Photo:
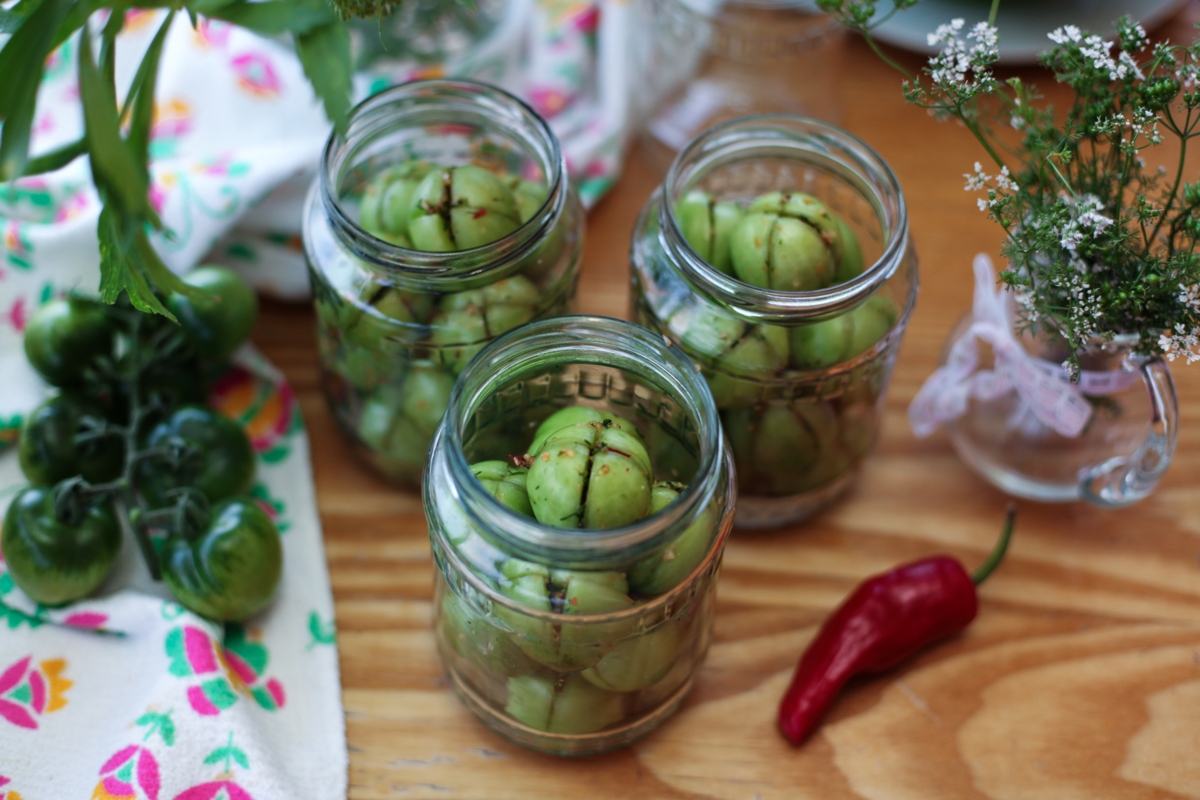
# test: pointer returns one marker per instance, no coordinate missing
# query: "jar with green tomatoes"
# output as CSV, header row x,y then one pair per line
x,y
776,253
441,219
579,494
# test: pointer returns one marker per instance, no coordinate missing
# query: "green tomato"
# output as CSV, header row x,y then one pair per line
x,y
840,339
218,459
665,570
578,415
460,209
467,321
387,201
708,227
55,561
638,662
529,197
737,374
65,336
216,325
590,476
49,450
573,707
506,483
230,570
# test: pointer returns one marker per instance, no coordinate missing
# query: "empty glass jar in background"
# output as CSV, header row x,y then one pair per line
x,y
395,325
709,61
799,376
576,640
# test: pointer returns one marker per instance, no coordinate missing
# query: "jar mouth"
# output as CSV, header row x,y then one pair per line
x,y
542,345
452,106
805,140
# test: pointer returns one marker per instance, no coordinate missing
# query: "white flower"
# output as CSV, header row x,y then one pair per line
x,y
957,68
1067,33
1181,343
1189,297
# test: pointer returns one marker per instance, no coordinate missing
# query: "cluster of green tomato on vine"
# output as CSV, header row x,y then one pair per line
x,y
127,443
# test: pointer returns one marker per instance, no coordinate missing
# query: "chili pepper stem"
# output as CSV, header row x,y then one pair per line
x,y
988,567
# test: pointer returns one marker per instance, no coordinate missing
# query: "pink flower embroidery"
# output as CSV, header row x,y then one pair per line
x,y
256,75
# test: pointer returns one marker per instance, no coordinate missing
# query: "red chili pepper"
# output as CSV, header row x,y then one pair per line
x,y
886,619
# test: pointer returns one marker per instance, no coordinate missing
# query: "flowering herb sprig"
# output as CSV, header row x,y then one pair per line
x,y
1098,245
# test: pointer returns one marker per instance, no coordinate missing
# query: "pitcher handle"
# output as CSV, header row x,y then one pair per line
x,y
1124,480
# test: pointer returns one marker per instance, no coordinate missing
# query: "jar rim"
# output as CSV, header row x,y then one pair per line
x,y
744,139
579,339
490,105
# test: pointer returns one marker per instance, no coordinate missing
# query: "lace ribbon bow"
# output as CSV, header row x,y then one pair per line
x,y
1045,388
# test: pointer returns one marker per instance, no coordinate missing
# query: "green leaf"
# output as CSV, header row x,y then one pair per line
x,y
142,93
55,159
11,19
160,273
208,7
114,166
21,63
275,17
118,270
240,758
325,55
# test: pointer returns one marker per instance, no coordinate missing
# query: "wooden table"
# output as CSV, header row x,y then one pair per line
x,y
1079,679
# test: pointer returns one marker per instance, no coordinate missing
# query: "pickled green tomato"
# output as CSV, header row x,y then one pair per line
x,y
459,209
529,197
386,201
563,646
466,321
668,568
638,662
573,706
840,339
792,242
591,476
506,483
757,354
708,227
578,415
783,448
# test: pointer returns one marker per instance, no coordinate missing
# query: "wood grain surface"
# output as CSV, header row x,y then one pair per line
x,y
1079,679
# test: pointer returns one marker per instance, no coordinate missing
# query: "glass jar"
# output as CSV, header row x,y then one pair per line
x,y
394,325
576,640
1124,448
709,61
800,422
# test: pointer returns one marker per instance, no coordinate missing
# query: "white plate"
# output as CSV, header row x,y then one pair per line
x,y
1023,24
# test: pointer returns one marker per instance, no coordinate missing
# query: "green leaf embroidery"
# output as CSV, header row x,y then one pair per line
x,y
160,724
228,753
322,632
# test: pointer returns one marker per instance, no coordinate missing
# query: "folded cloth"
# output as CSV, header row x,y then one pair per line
x,y
235,141
129,695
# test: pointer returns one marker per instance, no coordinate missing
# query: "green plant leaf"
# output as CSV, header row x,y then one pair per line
x,y
118,270
275,17
11,18
141,94
114,166
160,273
325,55
21,63
55,159
208,7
